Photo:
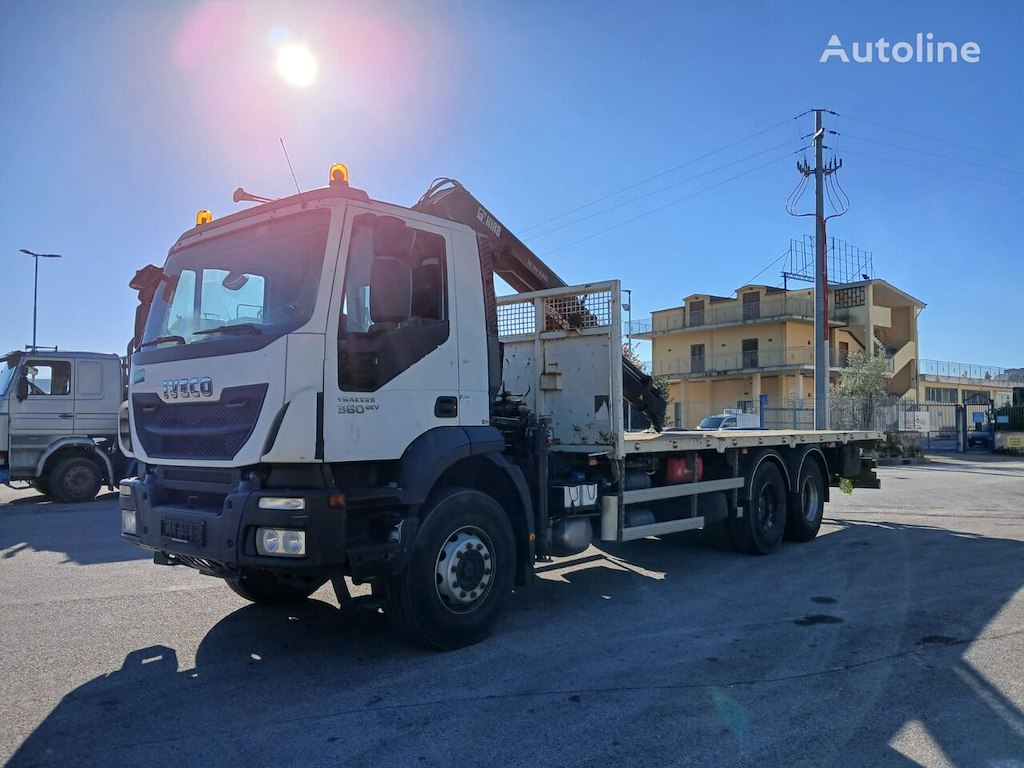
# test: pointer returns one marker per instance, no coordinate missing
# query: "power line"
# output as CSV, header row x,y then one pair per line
x,y
1016,188
935,138
662,173
669,205
933,154
659,191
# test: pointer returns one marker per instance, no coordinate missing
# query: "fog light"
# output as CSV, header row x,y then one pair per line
x,y
293,543
280,542
276,502
128,521
271,540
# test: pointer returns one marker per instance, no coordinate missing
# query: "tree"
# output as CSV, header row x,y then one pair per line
x,y
862,384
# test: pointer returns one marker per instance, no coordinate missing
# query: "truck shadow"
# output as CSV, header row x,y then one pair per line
x,y
883,636
86,534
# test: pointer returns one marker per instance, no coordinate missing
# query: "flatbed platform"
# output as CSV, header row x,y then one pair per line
x,y
684,440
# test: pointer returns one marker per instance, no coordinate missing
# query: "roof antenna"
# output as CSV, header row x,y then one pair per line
x,y
288,160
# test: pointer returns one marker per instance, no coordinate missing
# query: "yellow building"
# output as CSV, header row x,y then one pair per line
x,y
941,381
723,352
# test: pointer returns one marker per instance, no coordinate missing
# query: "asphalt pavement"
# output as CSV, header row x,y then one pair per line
x,y
895,638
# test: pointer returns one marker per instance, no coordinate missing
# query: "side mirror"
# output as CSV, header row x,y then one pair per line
x,y
22,388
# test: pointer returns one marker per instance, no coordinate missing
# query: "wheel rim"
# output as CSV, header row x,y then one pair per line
x,y
464,571
768,508
810,500
78,481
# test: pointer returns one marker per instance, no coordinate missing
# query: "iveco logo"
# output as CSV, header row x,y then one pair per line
x,y
194,387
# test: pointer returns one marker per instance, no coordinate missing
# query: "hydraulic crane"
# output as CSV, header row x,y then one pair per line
x,y
508,257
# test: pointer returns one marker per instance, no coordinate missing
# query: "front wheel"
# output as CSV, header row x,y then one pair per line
x,y
460,572
264,588
75,480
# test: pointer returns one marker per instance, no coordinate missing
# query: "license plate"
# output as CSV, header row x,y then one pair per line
x,y
178,530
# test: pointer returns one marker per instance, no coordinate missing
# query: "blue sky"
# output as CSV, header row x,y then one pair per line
x,y
121,119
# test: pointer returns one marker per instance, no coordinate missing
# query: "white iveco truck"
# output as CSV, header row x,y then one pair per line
x,y
327,386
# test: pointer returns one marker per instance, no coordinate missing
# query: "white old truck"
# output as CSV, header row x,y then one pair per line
x,y
328,387
58,422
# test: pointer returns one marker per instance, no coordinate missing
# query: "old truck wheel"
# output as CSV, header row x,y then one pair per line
x,y
760,530
75,480
807,505
460,572
264,588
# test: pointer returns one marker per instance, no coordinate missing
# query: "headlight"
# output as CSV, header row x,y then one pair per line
x,y
280,542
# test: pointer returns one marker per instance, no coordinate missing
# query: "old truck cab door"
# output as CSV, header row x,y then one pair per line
x,y
42,408
394,372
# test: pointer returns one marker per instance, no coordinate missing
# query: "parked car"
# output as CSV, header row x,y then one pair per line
x,y
982,437
730,419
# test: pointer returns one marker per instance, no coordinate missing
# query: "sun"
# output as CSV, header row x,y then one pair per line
x,y
296,65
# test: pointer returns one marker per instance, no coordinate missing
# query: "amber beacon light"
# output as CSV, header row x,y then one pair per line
x,y
339,175
203,217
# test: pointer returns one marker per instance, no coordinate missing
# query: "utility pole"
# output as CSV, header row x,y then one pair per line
x,y
821,352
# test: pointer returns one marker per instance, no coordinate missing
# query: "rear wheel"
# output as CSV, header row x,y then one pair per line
x,y
264,588
460,572
807,505
75,480
760,530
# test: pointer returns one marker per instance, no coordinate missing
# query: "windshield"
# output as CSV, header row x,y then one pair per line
x,y
8,366
711,422
259,280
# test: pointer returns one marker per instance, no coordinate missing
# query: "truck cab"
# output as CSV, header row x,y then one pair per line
x,y
58,421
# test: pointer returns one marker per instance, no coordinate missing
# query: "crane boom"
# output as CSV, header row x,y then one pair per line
x,y
523,270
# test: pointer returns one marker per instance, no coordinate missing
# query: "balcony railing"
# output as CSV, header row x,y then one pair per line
x,y
790,357
967,371
788,307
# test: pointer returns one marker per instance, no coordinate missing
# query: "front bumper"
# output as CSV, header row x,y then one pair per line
x,y
220,539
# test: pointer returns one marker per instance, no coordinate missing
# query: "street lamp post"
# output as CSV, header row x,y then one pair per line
x,y
35,289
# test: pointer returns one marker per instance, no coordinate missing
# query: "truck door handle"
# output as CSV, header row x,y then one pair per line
x,y
446,407
65,415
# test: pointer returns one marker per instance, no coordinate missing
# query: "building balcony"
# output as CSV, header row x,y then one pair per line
x,y
735,313
761,361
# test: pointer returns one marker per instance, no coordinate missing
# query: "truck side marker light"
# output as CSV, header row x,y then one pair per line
x,y
336,500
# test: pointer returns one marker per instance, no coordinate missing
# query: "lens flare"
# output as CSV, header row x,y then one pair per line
x,y
296,65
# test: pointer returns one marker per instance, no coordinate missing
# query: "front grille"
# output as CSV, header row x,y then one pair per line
x,y
192,430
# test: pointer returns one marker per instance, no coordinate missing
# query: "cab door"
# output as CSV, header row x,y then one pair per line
x,y
45,414
393,373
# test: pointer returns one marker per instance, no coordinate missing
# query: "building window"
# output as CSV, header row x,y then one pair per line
x,y
843,358
696,358
696,309
750,353
849,297
976,397
752,305
939,395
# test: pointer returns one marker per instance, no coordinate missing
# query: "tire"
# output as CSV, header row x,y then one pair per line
x,y
760,530
264,588
807,505
447,606
75,480
42,485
